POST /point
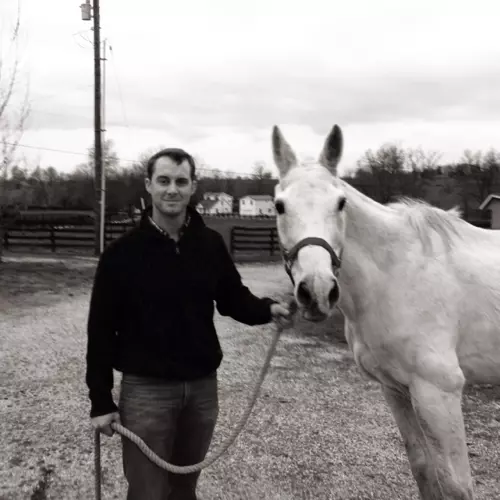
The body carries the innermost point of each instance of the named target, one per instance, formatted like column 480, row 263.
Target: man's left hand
column 282, row 315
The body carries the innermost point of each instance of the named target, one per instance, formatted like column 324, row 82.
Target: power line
column 119, row 86
column 56, row 113
column 81, row 35
column 47, row 149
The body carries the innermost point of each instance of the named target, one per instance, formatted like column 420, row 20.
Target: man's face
column 171, row 186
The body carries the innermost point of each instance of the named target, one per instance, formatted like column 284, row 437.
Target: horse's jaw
column 315, row 316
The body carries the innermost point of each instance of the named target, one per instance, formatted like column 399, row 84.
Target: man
column 151, row 317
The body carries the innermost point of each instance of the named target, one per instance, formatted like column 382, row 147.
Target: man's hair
column 176, row 155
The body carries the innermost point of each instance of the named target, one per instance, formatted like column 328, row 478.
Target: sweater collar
column 192, row 221
column 182, row 230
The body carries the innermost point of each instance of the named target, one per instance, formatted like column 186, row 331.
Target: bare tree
column 261, row 176
column 13, row 112
column 13, row 116
column 385, row 166
column 260, row 171
column 109, row 158
column 483, row 170
column 45, row 183
column 418, row 160
column 138, row 167
column 477, row 174
column 420, row 167
column 394, row 171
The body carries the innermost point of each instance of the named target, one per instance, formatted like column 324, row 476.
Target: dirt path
column 319, row 431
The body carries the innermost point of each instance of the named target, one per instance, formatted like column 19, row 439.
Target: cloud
column 269, row 96
column 215, row 76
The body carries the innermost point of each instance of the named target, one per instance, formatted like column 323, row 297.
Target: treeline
column 48, row 188
column 384, row 175
column 392, row 172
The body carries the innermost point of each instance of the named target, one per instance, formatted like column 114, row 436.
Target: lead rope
column 188, row 469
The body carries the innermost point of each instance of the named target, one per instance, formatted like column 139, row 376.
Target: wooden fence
column 254, row 240
column 245, row 242
column 56, row 236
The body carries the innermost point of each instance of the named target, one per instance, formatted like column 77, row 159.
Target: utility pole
column 98, row 167
column 97, row 128
column 102, row 232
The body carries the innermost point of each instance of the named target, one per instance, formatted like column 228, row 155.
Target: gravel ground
column 318, row 431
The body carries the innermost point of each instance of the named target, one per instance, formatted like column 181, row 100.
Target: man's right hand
column 103, row 423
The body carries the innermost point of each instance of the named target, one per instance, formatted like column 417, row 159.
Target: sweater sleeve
column 233, row 298
column 101, row 333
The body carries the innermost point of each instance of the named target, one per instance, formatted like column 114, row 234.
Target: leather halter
column 290, row 255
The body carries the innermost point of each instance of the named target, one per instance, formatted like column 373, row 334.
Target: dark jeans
column 176, row 420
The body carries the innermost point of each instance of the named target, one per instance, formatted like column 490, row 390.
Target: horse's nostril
column 303, row 294
column 334, row 294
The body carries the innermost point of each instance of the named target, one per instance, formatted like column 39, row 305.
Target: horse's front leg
column 399, row 402
column 436, row 395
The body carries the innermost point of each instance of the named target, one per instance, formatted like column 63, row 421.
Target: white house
column 215, row 203
column 257, row 204
column 492, row 203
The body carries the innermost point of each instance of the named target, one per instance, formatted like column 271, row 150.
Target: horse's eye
column 280, row 207
column 341, row 204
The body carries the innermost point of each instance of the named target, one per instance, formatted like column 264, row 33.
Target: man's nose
column 171, row 187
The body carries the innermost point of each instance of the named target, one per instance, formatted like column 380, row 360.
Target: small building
column 492, row 203
column 215, row 203
column 257, row 204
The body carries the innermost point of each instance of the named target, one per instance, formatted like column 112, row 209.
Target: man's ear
column 194, row 187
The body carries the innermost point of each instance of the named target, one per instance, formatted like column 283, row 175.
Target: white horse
column 420, row 292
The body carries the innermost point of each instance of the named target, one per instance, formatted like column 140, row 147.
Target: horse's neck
column 372, row 233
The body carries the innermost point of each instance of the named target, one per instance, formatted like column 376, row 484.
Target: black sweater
column 152, row 307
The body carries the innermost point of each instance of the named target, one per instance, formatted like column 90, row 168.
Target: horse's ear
column 332, row 150
column 284, row 157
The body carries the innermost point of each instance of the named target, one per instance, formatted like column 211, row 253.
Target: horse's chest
column 372, row 363
column 367, row 362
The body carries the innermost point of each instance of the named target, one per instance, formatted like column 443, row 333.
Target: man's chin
column 171, row 209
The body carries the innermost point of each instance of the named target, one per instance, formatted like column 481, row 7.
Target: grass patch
column 29, row 281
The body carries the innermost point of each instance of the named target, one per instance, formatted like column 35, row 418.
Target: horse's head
column 311, row 223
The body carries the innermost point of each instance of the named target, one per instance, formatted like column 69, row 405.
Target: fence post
column 52, row 238
column 231, row 241
column 272, row 241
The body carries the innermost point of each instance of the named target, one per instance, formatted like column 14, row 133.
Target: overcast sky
column 214, row 76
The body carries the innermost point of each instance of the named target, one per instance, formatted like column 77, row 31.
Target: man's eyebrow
column 165, row 176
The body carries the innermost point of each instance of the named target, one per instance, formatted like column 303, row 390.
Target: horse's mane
column 420, row 216
column 424, row 218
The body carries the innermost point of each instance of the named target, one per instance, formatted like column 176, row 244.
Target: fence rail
column 248, row 240
column 57, row 236
column 244, row 241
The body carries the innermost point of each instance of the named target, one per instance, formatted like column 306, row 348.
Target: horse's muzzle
column 316, row 304
column 334, row 295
